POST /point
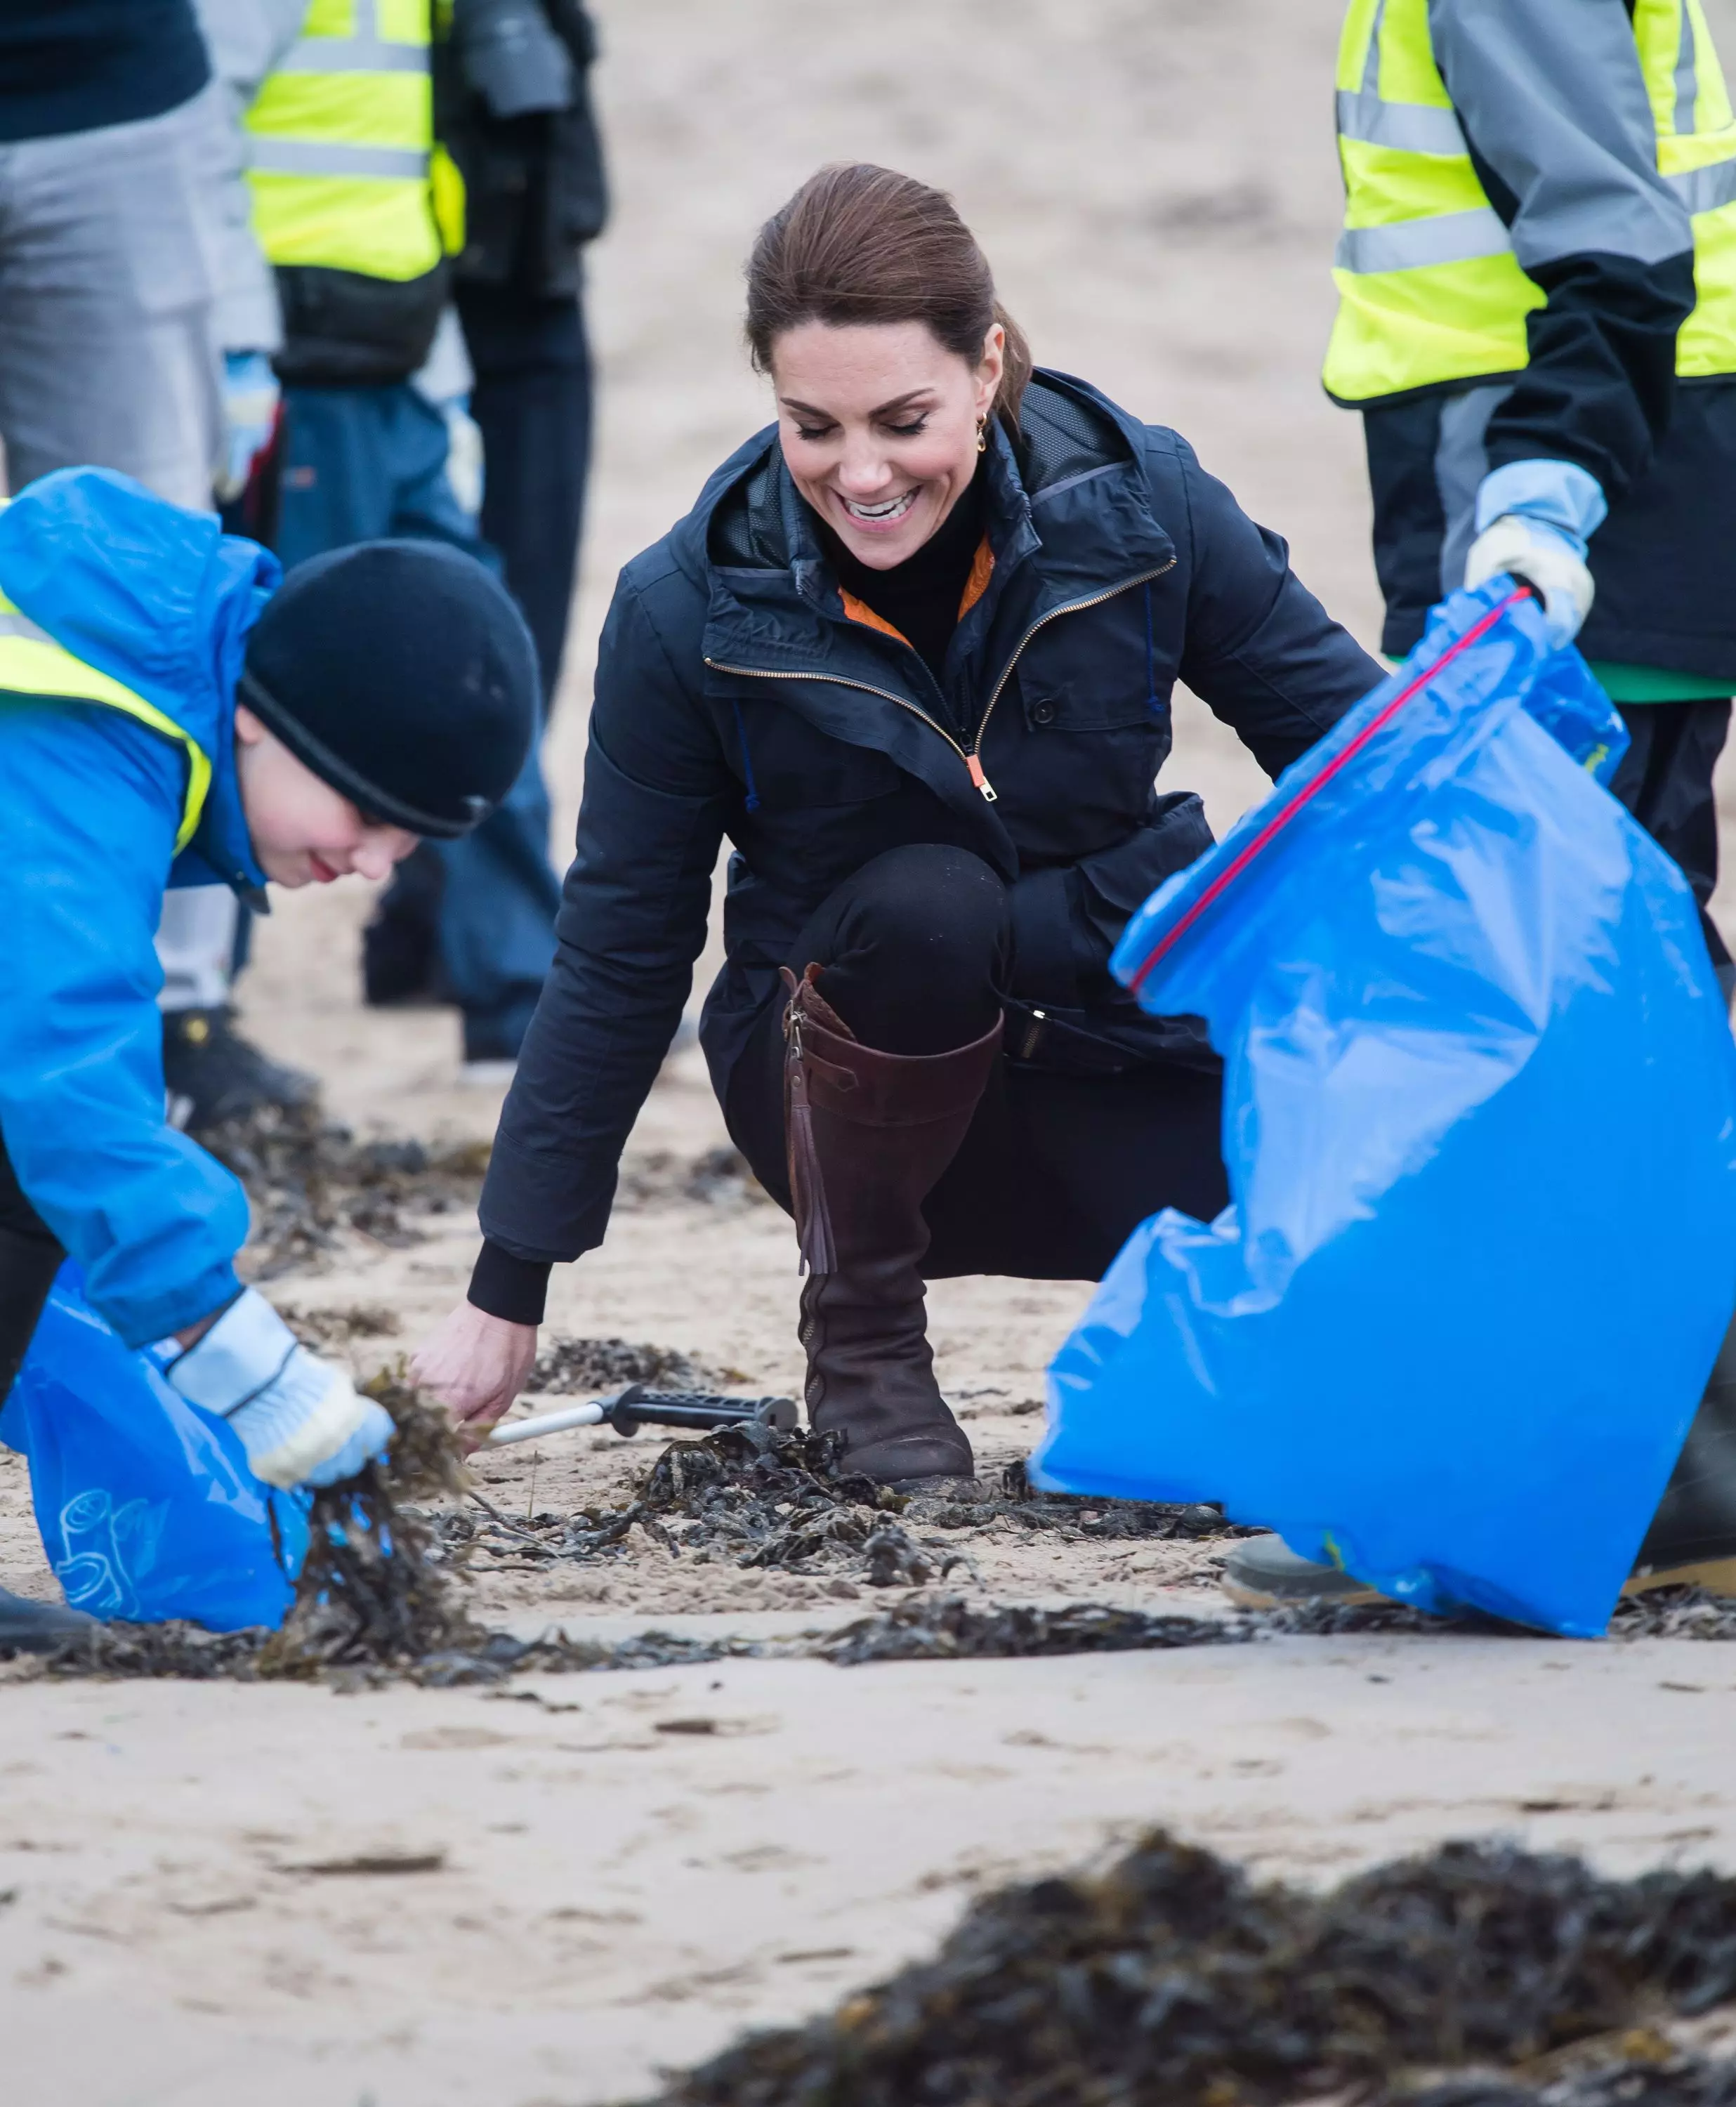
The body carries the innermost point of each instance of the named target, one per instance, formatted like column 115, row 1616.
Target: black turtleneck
column 920, row 596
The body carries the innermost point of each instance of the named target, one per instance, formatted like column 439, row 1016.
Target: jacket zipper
column 967, row 754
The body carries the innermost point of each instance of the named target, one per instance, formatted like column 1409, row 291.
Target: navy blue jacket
column 736, row 698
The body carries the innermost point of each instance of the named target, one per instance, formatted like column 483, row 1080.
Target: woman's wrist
column 505, row 1285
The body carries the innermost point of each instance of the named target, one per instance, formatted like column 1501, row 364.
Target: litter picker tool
column 627, row 1410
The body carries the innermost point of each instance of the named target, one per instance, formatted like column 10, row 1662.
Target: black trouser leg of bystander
column 1665, row 781
column 30, row 1256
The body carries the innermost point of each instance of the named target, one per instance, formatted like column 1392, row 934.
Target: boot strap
column 815, row 1242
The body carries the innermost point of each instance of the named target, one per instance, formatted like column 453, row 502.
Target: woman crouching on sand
column 911, row 651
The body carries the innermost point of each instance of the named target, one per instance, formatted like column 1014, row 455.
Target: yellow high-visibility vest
column 1430, row 288
column 32, row 663
column 342, row 143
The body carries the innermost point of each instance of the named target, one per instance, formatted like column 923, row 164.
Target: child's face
column 305, row 832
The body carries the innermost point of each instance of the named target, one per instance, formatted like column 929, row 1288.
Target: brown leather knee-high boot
column 869, row 1134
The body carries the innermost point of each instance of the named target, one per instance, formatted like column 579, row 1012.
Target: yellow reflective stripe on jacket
column 1697, row 157
column 1429, row 290
column 342, row 141
column 32, row 663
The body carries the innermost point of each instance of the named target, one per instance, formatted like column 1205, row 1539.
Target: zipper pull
column 979, row 779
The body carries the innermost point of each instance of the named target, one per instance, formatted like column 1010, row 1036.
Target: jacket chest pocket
column 1100, row 670
column 788, row 764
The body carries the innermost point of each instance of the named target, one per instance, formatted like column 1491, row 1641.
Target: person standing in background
column 1537, row 319
column 356, row 209
column 109, row 128
column 513, row 107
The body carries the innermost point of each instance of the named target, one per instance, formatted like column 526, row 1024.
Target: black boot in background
column 1692, row 1542
column 401, row 944
column 213, row 1074
column 869, row 1135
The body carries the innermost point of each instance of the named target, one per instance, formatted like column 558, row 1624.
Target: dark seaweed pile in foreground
column 1173, row 1980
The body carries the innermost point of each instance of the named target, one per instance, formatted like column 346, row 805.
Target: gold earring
column 982, row 435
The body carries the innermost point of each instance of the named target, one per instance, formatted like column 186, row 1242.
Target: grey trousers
column 107, row 357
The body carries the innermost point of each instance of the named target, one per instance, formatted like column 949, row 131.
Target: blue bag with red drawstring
column 145, row 1506
column 1479, row 1120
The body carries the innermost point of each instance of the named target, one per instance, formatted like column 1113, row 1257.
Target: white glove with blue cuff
column 1534, row 518
column 300, row 1419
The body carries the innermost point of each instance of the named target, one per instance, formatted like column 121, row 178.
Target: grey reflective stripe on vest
column 354, row 55
column 1413, row 245
column 1704, row 189
column 323, row 157
column 13, row 624
column 1415, row 127
column 1686, row 75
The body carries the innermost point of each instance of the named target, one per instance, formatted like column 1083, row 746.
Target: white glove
column 1541, row 557
column 300, row 1419
column 1533, row 519
column 250, row 399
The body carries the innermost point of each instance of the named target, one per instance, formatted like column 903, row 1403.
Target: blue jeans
column 361, row 463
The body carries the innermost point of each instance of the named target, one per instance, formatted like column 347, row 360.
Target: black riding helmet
column 401, row 674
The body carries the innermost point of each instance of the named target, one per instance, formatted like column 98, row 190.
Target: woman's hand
column 476, row 1365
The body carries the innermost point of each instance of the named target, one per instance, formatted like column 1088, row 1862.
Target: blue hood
column 163, row 601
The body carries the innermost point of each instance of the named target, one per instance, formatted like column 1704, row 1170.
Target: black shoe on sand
column 1263, row 1573
column 211, row 1073
column 1692, row 1542
column 27, row 1627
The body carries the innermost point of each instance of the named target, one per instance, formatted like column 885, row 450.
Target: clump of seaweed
column 752, row 1494
column 1173, row 1980
column 583, row 1368
column 310, row 1180
column 1645, row 2080
column 372, row 1593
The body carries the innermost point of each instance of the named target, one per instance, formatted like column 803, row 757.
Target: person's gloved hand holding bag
column 1534, row 518
column 300, row 1420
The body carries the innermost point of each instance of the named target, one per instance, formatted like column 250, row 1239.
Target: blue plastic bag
column 1479, row 1121
column 145, row 1506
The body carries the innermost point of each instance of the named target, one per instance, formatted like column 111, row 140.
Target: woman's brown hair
column 859, row 243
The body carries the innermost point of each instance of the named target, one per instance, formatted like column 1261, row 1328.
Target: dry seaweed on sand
column 583, row 1368
column 325, row 1331
column 954, row 1629
column 1173, row 1980
column 1675, row 1613
column 718, row 1177
column 1071, row 1517
column 310, row 1180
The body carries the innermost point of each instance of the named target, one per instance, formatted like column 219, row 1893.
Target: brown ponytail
column 860, row 244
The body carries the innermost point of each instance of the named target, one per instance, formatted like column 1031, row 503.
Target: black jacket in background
column 735, row 698
column 73, row 66
column 534, row 187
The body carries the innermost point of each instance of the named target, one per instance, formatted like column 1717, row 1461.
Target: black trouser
column 532, row 402
column 29, row 1258
column 1056, row 1170
column 1665, row 781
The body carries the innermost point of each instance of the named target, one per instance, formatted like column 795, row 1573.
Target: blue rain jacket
column 90, row 800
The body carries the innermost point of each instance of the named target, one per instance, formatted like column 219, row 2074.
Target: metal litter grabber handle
column 627, row 1410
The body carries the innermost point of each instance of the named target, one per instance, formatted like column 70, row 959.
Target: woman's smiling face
column 879, row 424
